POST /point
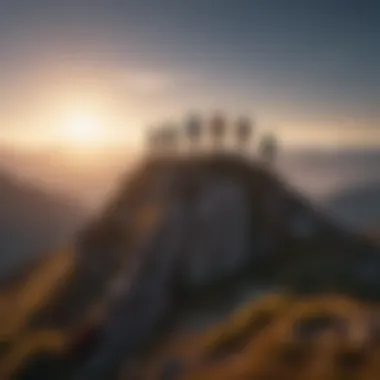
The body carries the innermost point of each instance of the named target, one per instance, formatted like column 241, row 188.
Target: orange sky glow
column 100, row 109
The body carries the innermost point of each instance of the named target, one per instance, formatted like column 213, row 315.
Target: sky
column 308, row 69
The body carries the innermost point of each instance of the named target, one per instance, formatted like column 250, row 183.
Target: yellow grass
column 32, row 343
column 33, row 292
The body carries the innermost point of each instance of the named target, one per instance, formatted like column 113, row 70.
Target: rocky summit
column 184, row 246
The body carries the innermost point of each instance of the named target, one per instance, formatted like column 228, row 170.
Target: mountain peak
column 186, row 241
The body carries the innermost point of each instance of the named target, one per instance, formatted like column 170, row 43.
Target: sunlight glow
column 83, row 129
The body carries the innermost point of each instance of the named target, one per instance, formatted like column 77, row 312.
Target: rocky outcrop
column 187, row 241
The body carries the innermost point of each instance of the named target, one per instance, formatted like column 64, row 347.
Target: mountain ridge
column 186, row 241
column 32, row 221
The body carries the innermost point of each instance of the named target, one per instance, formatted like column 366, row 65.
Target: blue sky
column 309, row 68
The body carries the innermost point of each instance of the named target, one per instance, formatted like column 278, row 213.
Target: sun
column 83, row 129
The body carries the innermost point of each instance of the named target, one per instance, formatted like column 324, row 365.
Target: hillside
column 31, row 222
column 183, row 244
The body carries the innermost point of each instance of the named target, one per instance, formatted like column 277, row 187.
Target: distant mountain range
column 357, row 206
column 31, row 222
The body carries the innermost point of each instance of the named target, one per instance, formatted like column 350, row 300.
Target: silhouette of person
column 268, row 148
column 217, row 129
column 243, row 132
column 193, row 129
column 170, row 137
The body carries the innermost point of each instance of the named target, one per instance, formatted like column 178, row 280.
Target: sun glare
column 82, row 129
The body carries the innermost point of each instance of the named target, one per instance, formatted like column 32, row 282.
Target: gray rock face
column 204, row 240
column 219, row 235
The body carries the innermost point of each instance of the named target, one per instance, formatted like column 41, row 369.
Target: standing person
column 193, row 130
column 170, row 133
column 243, row 132
column 218, row 130
column 268, row 149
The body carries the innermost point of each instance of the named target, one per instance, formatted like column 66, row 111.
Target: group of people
column 167, row 137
